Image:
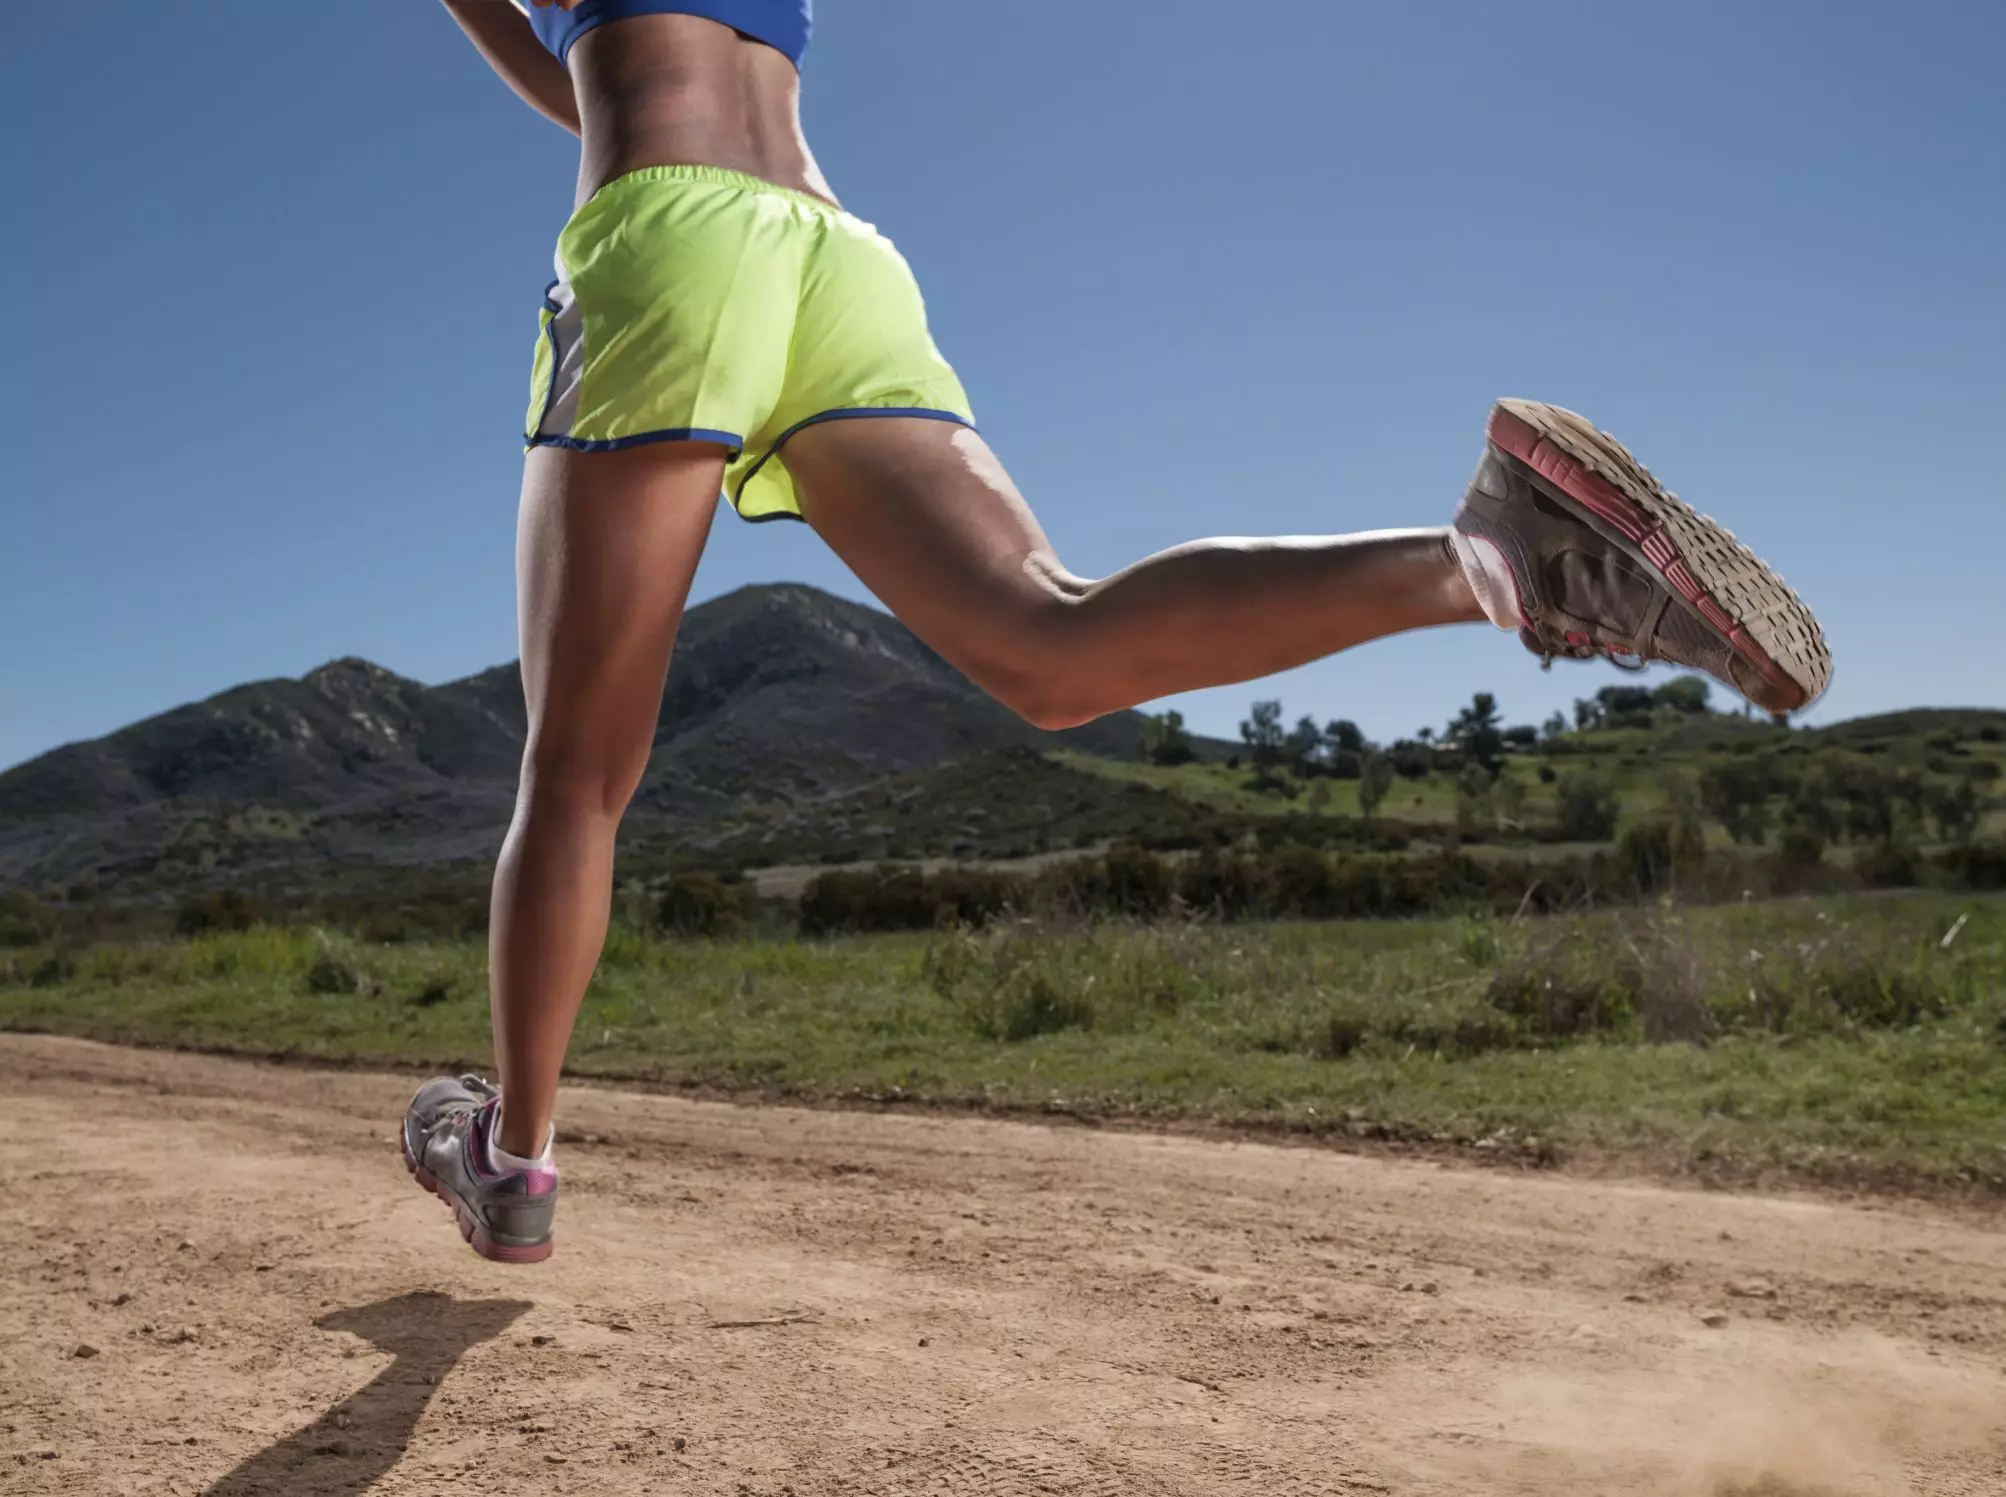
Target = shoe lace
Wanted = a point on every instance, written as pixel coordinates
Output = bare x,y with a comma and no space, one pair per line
1551,647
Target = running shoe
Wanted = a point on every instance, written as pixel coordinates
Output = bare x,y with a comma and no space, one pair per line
503,1216
1600,560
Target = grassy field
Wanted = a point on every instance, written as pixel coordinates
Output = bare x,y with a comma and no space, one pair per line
1637,764
1840,1040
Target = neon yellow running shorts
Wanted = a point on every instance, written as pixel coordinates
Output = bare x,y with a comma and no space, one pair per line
693,304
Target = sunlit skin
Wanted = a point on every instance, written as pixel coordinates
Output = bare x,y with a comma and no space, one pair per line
922,511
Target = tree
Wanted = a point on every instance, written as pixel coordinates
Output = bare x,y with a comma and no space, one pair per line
1375,780
1340,736
1164,740
1410,759
1426,735
1263,735
1684,694
1624,706
1554,727
1475,731
1305,746
1522,736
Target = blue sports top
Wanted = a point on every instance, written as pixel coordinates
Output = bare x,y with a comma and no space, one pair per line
781,24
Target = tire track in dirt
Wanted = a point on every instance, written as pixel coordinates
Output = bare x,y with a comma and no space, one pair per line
223,1283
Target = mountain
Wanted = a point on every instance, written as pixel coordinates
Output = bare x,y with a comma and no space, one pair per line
776,694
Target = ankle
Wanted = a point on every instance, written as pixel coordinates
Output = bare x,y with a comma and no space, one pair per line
1488,577
520,1146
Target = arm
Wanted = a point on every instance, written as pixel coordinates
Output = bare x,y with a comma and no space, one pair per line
503,36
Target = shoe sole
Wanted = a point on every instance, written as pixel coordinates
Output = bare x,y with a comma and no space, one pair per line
1700,561
475,1234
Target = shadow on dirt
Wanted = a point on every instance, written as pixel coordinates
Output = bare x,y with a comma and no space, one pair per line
354,1444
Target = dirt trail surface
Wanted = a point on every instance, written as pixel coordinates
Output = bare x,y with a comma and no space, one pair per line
220,1280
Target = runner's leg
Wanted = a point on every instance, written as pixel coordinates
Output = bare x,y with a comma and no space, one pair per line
923,512
607,544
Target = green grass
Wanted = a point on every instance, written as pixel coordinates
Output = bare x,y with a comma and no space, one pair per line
1833,1039
1638,763
1632,767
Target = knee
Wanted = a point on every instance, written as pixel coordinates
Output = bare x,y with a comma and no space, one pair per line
574,779
1038,672
1048,705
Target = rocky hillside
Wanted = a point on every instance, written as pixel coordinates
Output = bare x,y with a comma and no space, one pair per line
778,694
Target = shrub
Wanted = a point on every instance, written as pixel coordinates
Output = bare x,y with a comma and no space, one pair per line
1224,885
337,971
55,969
1139,883
1299,882
701,904
1977,866
1841,983
1644,854
1009,989
972,896
223,910
1553,999
1588,807
438,990
1889,865
888,897
23,920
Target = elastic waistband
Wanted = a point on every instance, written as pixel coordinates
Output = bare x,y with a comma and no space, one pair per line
717,176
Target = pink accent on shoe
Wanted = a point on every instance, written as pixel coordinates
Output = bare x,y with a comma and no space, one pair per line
475,1236
1623,514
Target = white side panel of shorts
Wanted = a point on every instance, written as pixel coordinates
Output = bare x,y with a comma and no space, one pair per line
567,344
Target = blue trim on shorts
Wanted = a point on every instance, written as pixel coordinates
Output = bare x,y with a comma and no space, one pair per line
843,413
640,439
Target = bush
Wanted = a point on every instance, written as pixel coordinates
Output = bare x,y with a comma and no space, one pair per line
337,971
701,904
1977,866
1300,882
1553,999
223,910
1139,883
438,990
1223,885
1588,807
1842,983
972,896
1890,865
888,897
896,897
23,919
1644,854
1799,848
1010,989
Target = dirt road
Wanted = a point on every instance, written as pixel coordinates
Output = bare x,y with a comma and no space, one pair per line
220,1280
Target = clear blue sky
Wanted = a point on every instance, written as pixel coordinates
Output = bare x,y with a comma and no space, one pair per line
272,273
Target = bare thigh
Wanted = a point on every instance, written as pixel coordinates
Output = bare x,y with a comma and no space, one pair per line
925,515
927,518
606,546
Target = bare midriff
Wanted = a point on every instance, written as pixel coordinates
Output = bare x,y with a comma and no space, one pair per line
673,90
